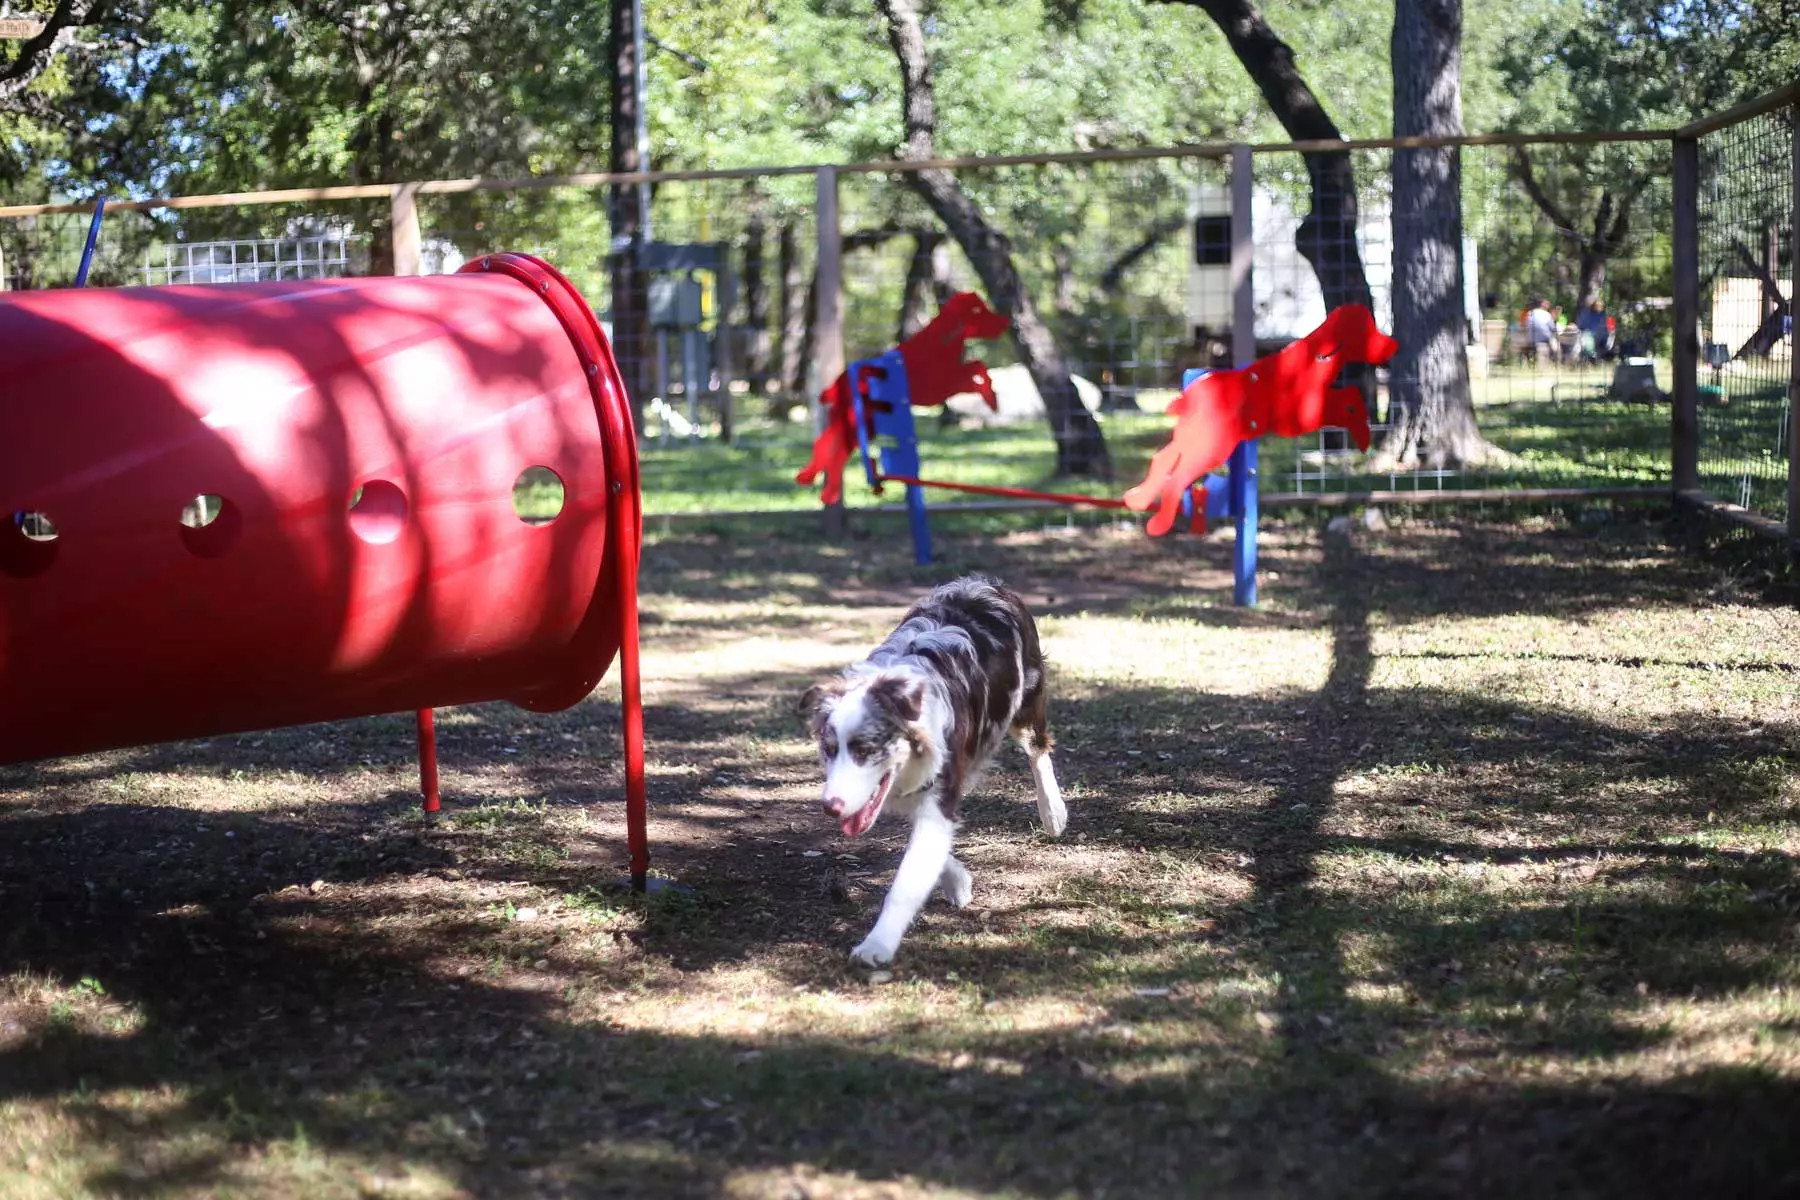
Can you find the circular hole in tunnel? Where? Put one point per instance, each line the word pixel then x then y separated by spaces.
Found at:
pixel 202 511
pixel 28 543
pixel 209 525
pixel 538 495
pixel 377 512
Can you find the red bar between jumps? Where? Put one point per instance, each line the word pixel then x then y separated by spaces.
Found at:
pixel 981 489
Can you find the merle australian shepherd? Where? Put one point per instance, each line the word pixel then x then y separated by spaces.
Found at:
pixel 910 729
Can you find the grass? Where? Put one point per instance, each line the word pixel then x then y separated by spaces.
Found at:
pixel 1466 864
pixel 1563 428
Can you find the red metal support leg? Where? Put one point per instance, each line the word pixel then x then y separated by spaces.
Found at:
pixel 428 779
pixel 631 710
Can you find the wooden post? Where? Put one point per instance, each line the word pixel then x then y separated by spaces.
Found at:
pixel 1771 265
pixel 1685 415
pixel 1793 513
pixel 724 360
pixel 828 335
pixel 408 242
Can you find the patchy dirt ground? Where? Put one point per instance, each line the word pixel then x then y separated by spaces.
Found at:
pixel 1464 865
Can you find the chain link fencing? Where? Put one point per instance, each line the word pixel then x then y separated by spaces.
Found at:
pixel 1566 285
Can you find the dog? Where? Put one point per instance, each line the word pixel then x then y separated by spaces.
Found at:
pixel 911 728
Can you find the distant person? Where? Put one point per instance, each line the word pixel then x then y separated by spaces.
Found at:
pixel 1540 333
pixel 1593 325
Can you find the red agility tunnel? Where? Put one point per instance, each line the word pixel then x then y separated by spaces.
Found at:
pixel 358 550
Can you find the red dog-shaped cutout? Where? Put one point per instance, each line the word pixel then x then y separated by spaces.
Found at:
pixel 935 371
pixel 1287 394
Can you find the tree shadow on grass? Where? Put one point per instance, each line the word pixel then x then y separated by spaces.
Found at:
pixel 1365 1015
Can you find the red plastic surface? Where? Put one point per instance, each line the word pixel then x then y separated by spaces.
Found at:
pixel 1287 394
pixel 431 395
pixel 935 371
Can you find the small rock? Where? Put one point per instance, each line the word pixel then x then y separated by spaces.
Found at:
pixel 880 977
pixel 813 854
pixel 1149 991
pixel 526 914
pixel 316 886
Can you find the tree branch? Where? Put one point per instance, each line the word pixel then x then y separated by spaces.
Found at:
pixel 37 52
pixel 1621 223
pixel 1157 235
pixel 1327 235
pixel 1270 63
pixel 1771 289
pixel 1523 173
pixel 1080 446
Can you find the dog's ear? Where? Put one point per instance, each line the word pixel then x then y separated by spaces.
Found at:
pixel 816 705
pixel 900 695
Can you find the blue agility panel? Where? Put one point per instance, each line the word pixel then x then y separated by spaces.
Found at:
pixel 890 412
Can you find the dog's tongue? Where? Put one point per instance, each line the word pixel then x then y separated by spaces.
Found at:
pixel 858 822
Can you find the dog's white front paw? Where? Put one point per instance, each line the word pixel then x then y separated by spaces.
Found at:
pixel 1055 815
pixel 873 952
pixel 957 885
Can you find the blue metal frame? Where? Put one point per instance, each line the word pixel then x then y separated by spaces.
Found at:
pixel 885 377
pixel 1233 494
pixel 1236 497
pixel 93 239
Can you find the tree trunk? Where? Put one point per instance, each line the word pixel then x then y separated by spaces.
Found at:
pixel 381 239
pixel 1592 281
pixel 1593 250
pixel 1430 409
pixel 630 283
pixel 796 318
pixel 1327 234
pixel 1776 308
pixel 920 299
pixel 1062 260
pixel 1080 446
pixel 756 305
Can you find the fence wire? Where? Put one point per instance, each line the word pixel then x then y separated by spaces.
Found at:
pixel 1747 274
pixel 714 320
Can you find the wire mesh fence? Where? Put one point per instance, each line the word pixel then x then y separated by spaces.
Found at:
pixel 1562 282
pixel 1747 182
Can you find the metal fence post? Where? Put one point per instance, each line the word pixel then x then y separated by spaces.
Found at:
pixel 1793 513
pixel 1684 430
pixel 828 337
pixel 408 241
pixel 1245 463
